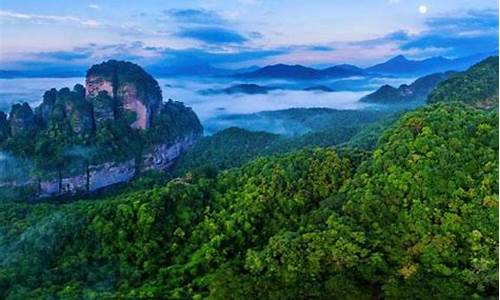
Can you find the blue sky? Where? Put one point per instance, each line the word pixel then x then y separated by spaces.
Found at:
pixel 239 33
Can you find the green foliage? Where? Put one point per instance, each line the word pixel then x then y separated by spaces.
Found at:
pixel 234 146
pixel 416 219
pixel 478 86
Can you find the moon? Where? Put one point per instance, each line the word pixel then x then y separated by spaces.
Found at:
pixel 423 9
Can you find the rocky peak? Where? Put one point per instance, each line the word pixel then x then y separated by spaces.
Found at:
pixel 132 89
pixel 21 119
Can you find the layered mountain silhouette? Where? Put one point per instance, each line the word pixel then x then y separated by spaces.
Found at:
pixel 396 66
pixel 401 65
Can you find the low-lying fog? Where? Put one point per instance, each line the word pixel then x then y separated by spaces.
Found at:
pixel 209 107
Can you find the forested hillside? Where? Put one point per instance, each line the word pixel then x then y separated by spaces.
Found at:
pixel 414 219
pixel 477 86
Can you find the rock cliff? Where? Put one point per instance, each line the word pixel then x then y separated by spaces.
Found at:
pixel 130 86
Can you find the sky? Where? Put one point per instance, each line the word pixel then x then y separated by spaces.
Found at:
pixel 53 34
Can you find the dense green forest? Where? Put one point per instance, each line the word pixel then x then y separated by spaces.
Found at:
pixel 233 147
pixel 416 217
pixel 477 86
pixel 402 208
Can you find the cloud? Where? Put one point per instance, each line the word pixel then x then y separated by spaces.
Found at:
pixel 212 35
pixel 94 6
pixel 320 48
pixel 195 16
pixel 47 18
pixel 72 55
pixel 458 34
pixel 193 55
pixel 392 37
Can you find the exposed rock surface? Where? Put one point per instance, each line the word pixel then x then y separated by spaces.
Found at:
pixel 96 177
pixel 164 155
pixel 130 86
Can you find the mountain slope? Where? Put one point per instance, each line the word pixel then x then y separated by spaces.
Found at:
pixel 416 91
pixel 477 86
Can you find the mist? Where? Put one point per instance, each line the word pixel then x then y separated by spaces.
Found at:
pixel 210 108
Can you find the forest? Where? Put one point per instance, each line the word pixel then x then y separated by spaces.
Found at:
pixel 404 208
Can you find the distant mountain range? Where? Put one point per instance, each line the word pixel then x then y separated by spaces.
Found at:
pixel 416 91
pixel 246 88
pixel 301 72
pixel 255 89
pixel 396 66
pixel 401 65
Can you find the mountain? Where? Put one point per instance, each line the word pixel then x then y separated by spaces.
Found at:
pixel 245 88
pixel 294 121
pixel 401 65
pixel 284 71
pixel 416 91
pixel 478 86
pixel 319 88
pixel 82 140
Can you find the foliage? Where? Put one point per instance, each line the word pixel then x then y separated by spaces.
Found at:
pixel 478 86
pixel 416 219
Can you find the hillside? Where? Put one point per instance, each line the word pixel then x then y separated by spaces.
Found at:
pixel 478 86
pixel 417 91
pixel 415 219
pixel 294 121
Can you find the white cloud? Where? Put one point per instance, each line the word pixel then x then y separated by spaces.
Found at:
pixel 94 6
pixel 47 18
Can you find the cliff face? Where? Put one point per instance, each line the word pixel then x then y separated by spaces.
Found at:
pixel 96 177
pixel 130 86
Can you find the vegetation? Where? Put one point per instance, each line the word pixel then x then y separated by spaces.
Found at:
pixel 417 218
pixel 478 86
pixel 416 91
pixel 298 121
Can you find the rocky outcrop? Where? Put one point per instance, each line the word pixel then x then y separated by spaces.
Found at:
pixel 43 111
pixel 164 155
pixel 21 119
pixel 4 127
pixel 96 177
pixel 130 86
